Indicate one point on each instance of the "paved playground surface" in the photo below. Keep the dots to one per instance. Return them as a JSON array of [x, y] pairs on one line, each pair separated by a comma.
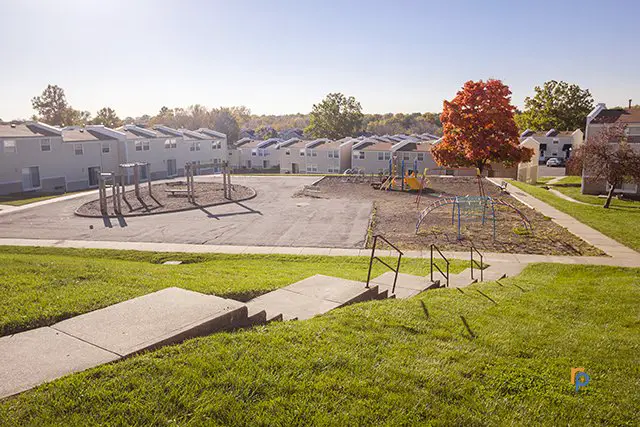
[[274, 217]]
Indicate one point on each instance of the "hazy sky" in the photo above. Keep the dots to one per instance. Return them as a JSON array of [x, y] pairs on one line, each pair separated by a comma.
[[282, 56]]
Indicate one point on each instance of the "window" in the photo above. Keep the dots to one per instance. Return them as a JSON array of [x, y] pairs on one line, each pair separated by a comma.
[[420, 157], [334, 154], [555, 141], [105, 147], [138, 145], [406, 156], [356, 154], [216, 145], [254, 152], [302, 152], [145, 145], [78, 149], [167, 143], [380, 155], [45, 144], [361, 155], [287, 152], [197, 146], [312, 168], [9, 146], [387, 156]]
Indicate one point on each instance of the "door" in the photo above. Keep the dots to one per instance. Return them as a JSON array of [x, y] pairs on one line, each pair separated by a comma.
[[172, 169], [93, 175], [144, 172], [295, 168], [265, 164], [30, 178], [248, 164]]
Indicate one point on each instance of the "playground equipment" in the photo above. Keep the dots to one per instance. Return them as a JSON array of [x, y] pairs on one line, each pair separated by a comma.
[[191, 169], [404, 181], [472, 208], [117, 182], [109, 180]]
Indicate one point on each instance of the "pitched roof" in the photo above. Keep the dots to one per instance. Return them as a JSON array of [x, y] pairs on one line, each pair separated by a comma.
[[83, 135], [629, 115]]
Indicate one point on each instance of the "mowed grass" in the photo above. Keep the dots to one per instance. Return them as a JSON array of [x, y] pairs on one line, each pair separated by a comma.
[[570, 185], [20, 200], [40, 286], [621, 221], [391, 362]]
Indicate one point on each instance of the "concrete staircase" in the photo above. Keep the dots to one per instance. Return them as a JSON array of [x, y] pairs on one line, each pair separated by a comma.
[[172, 315]]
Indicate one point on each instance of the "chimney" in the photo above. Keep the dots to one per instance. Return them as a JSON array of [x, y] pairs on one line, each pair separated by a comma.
[[630, 103]]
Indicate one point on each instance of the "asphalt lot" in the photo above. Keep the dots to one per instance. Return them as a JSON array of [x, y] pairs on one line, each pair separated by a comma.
[[274, 218], [549, 171]]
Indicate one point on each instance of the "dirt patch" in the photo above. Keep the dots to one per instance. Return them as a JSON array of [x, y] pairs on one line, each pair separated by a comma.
[[397, 213], [161, 200]]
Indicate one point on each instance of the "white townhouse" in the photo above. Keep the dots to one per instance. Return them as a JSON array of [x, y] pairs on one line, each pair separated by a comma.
[[373, 155], [292, 154], [553, 143], [317, 156], [38, 157], [256, 154], [599, 118]]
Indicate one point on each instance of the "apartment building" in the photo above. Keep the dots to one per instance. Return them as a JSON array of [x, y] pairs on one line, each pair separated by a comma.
[[553, 143], [256, 154], [599, 118]]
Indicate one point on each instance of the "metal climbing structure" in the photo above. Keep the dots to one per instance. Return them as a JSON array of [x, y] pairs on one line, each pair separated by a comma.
[[472, 208]]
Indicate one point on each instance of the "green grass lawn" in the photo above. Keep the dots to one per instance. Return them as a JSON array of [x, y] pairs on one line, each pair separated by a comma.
[[570, 186], [40, 286], [620, 222], [391, 362], [22, 199]]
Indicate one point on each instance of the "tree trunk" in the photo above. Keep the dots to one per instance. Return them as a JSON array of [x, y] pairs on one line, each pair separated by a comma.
[[609, 197]]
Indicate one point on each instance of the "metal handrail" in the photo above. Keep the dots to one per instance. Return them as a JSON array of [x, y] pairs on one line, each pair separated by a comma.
[[480, 266], [373, 256], [446, 276]]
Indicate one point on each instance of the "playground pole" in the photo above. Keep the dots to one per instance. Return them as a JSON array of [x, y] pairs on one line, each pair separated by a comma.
[[402, 176], [149, 178], [136, 179]]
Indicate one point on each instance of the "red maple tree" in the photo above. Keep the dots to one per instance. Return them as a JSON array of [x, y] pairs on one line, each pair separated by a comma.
[[479, 128]]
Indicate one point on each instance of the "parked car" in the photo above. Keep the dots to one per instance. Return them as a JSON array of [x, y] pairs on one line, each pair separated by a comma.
[[554, 162]]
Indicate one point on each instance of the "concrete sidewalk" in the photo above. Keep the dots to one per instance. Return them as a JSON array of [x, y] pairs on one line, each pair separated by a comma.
[[586, 233], [622, 259]]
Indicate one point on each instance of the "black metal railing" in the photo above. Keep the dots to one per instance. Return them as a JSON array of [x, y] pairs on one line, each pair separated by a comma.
[[479, 265], [374, 257], [446, 276]]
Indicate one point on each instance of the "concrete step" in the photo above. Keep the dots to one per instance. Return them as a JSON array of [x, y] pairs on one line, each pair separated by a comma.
[[165, 317], [312, 296], [407, 285]]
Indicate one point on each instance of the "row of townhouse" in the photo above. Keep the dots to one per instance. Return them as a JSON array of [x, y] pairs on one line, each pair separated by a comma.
[[599, 118], [553, 143], [38, 157]]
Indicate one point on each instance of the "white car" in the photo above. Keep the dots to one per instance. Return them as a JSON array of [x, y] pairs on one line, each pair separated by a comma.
[[553, 162]]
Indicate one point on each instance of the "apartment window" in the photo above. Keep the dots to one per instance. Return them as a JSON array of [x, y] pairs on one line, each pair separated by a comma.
[[216, 161], [287, 152], [355, 154], [555, 141], [254, 152], [78, 149], [302, 152], [197, 146], [387, 156], [312, 168], [170, 143], [406, 156], [420, 157], [45, 144], [9, 146], [105, 147], [334, 154], [361, 155], [138, 145], [216, 145], [380, 156], [145, 145], [314, 153]]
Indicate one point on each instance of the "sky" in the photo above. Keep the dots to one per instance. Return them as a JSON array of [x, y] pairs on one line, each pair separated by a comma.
[[279, 56]]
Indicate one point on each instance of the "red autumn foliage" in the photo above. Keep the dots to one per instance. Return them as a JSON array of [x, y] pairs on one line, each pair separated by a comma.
[[479, 128]]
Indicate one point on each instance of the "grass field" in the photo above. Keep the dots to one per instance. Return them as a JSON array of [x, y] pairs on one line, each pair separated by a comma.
[[20, 200], [620, 222], [570, 185], [40, 286], [392, 362]]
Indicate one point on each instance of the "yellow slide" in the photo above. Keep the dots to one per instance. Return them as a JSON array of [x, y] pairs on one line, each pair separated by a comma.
[[413, 183]]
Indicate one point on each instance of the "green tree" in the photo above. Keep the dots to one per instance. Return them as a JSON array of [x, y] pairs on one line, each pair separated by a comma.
[[108, 117], [223, 120], [51, 106], [266, 132], [556, 105], [335, 117]]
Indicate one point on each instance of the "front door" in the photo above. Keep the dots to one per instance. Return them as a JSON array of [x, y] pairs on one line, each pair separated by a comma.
[[93, 175], [171, 167], [295, 168], [265, 164], [30, 178]]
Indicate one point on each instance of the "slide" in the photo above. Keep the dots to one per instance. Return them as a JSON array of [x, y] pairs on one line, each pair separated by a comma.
[[413, 183]]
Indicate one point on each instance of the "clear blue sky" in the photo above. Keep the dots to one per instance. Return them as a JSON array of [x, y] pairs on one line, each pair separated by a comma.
[[282, 56]]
